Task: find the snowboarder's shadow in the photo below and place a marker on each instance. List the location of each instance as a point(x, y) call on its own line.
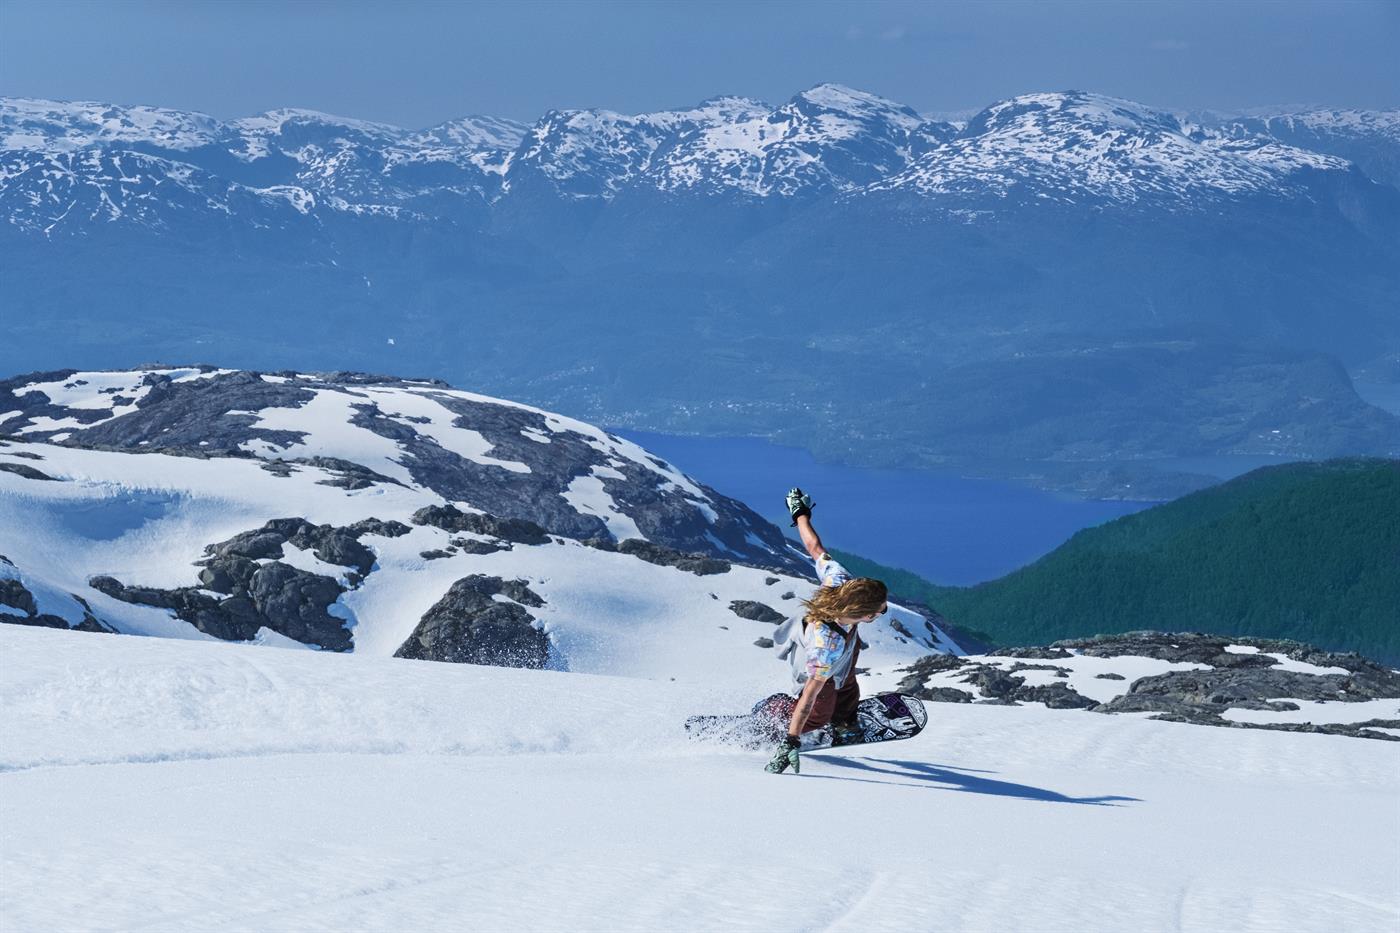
point(958, 779)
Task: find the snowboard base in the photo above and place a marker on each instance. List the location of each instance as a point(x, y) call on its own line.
point(884, 717)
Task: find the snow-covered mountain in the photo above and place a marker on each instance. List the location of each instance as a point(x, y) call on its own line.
point(829, 138)
point(597, 153)
point(1077, 147)
point(389, 516)
point(826, 140)
point(651, 269)
point(1370, 138)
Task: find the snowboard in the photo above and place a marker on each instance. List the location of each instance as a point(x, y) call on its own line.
point(884, 717)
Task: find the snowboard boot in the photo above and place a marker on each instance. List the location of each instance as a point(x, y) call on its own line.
point(847, 734)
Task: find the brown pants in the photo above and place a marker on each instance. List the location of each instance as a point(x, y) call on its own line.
point(832, 705)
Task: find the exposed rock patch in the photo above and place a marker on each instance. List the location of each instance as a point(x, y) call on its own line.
point(468, 626)
point(1230, 679)
point(755, 611)
point(1031, 652)
point(26, 471)
point(454, 520)
point(653, 553)
point(529, 469)
point(253, 589)
point(16, 595)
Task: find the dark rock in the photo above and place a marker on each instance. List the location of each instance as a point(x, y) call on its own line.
point(27, 455)
point(769, 581)
point(788, 595)
point(451, 519)
point(940, 694)
point(918, 673)
point(379, 527)
point(653, 553)
point(755, 611)
point(227, 574)
point(16, 595)
point(1055, 696)
point(1228, 687)
point(1032, 652)
point(1109, 676)
point(993, 682)
point(335, 546)
point(468, 626)
point(295, 602)
point(1198, 648)
point(1020, 666)
point(473, 546)
point(277, 468)
point(898, 626)
point(764, 642)
point(602, 544)
point(274, 595)
point(26, 471)
point(251, 545)
point(347, 474)
point(434, 554)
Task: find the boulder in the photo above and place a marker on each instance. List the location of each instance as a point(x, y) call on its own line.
point(652, 553)
point(452, 519)
point(755, 611)
point(468, 626)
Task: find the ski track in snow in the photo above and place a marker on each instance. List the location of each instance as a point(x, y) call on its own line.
point(192, 785)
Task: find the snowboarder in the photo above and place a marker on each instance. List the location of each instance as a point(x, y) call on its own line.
point(823, 645)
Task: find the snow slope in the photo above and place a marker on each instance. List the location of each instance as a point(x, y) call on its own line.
point(144, 516)
point(174, 785)
point(1075, 147)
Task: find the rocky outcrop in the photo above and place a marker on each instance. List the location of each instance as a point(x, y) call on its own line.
point(755, 611)
point(14, 594)
point(454, 520)
point(275, 596)
point(26, 471)
point(468, 626)
point(253, 589)
point(652, 553)
point(338, 546)
point(1032, 651)
point(1198, 648)
point(533, 467)
point(1248, 678)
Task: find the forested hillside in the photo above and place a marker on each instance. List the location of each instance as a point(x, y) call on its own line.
point(1308, 551)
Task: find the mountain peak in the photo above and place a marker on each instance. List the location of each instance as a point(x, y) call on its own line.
point(843, 99)
point(273, 121)
point(1058, 107)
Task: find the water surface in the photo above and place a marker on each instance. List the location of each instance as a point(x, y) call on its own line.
point(947, 528)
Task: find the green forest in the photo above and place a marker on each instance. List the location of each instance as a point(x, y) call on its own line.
point(1308, 551)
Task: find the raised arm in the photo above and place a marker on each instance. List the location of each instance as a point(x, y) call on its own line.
point(810, 539)
point(800, 505)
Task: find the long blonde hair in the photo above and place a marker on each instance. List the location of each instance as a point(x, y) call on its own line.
point(851, 600)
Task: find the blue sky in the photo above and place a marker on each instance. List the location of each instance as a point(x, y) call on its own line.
point(418, 63)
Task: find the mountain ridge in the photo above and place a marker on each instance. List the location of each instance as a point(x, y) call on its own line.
point(1047, 244)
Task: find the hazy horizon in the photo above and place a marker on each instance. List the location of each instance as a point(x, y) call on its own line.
point(416, 65)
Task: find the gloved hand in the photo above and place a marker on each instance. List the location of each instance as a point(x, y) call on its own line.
point(799, 503)
point(785, 756)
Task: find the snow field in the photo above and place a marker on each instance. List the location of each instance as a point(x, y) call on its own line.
point(606, 613)
point(176, 785)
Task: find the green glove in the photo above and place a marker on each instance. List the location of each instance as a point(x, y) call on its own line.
point(785, 756)
point(799, 503)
